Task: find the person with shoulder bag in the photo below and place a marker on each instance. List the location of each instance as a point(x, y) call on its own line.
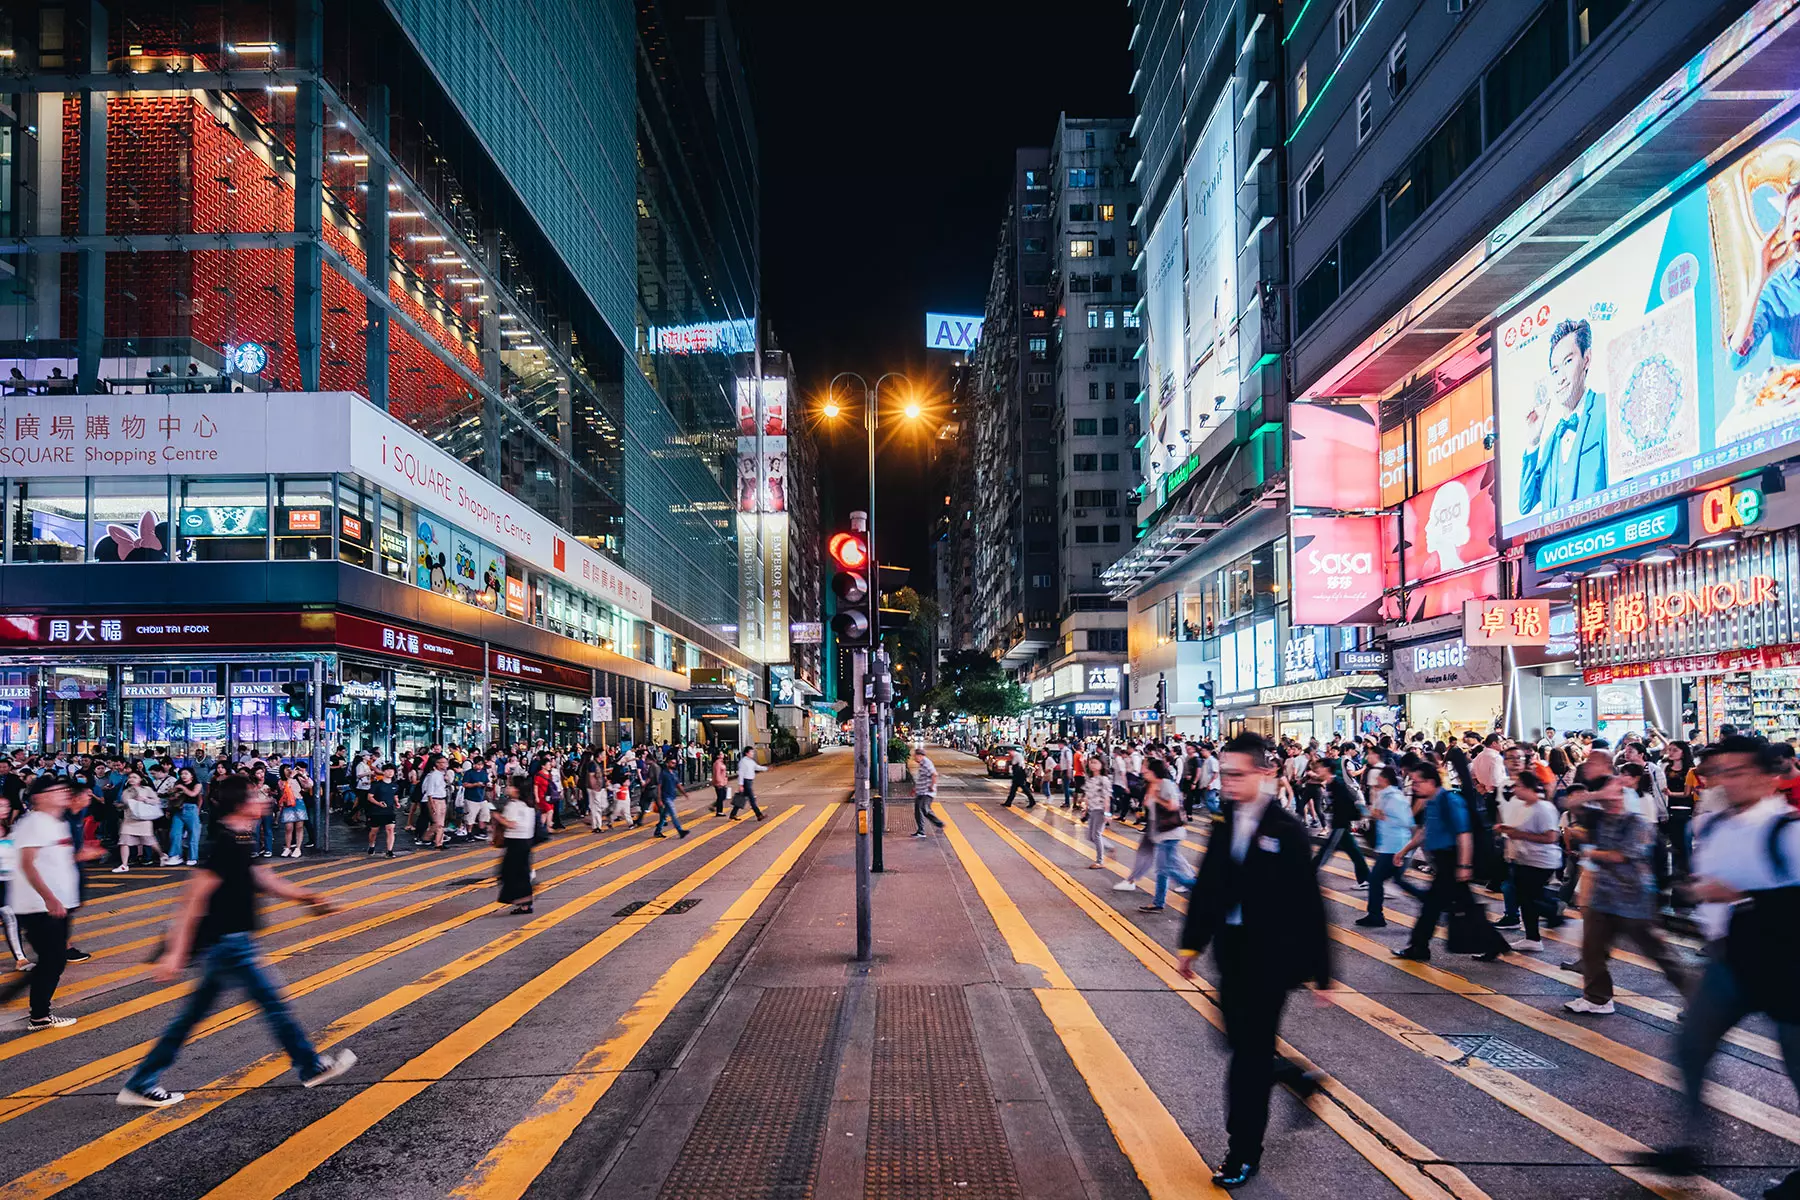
point(143, 809)
point(1165, 824)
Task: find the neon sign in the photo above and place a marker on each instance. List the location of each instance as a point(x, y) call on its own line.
point(1637, 612)
point(1726, 507)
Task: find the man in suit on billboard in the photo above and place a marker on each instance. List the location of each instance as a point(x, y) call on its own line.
point(1565, 447)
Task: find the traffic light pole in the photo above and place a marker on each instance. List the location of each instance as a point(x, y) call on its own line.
point(859, 667)
point(883, 707)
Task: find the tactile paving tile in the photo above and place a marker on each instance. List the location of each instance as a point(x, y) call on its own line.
point(934, 1129)
point(760, 1133)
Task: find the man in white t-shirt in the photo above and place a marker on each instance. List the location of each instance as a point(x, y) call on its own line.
point(44, 892)
point(435, 788)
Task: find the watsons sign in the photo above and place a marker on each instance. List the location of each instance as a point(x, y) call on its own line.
point(1633, 532)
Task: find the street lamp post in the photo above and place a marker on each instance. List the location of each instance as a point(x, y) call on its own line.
point(880, 727)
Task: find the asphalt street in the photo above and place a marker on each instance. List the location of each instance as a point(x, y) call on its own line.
point(1021, 1032)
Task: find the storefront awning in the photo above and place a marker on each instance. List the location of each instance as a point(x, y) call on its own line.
point(1357, 697)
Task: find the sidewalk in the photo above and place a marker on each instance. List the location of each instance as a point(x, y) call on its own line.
point(912, 1076)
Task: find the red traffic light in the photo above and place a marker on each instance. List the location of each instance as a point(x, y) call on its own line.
point(850, 551)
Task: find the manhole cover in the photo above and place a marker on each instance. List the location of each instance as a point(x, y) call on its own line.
point(631, 908)
point(1498, 1052)
point(681, 906)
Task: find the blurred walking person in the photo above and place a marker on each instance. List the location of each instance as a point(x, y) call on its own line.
point(517, 820)
point(925, 777)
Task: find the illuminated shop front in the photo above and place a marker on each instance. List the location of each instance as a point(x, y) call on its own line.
point(1448, 687)
point(1717, 623)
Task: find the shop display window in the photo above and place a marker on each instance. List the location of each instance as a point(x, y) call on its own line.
point(357, 525)
point(223, 520)
point(130, 521)
point(393, 544)
point(304, 515)
point(48, 520)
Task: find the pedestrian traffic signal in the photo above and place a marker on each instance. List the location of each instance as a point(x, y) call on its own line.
point(1206, 693)
point(330, 694)
point(854, 622)
point(296, 704)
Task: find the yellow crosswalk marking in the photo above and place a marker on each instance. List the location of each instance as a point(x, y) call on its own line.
point(91, 1157)
point(1165, 1161)
point(291, 1161)
point(508, 1169)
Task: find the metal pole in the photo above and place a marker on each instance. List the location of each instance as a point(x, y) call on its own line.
point(878, 758)
point(883, 714)
point(859, 661)
point(321, 769)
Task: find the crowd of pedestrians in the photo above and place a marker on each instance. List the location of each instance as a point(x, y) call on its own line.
point(1633, 840)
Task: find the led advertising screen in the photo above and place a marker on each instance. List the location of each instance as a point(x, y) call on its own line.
point(1444, 596)
point(1674, 353)
point(1165, 353)
point(1212, 354)
point(1338, 569)
point(1449, 527)
point(1334, 448)
point(1454, 431)
point(947, 331)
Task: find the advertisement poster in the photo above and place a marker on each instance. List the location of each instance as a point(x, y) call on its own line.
point(775, 587)
point(431, 554)
point(1674, 353)
point(1396, 464)
point(1454, 431)
point(1164, 352)
point(1334, 449)
point(1569, 714)
point(1212, 360)
point(145, 539)
point(1448, 527)
point(1337, 574)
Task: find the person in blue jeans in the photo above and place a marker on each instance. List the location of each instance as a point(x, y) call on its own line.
point(1393, 817)
point(1166, 826)
point(668, 788)
point(216, 923)
point(267, 831)
point(184, 821)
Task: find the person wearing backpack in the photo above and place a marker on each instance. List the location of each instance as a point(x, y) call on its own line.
point(1746, 883)
point(1448, 836)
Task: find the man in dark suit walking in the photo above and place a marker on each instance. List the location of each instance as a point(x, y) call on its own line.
point(1258, 905)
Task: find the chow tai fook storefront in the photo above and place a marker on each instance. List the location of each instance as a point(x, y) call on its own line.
point(1714, 627)
point(152, 682)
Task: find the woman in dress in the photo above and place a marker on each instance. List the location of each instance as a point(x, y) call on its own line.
point(143, 809)
point(518, 825)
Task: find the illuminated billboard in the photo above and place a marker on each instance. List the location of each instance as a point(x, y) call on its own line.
point(1165, 354)
point(1450, 526)
point(1675, 352)
point(1454, 431)
point(1212, 299)
point(1339, 568)
point(946, 331)
point(1334, 450)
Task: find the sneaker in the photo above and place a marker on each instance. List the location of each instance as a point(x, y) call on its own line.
point(1234, 1173)
point(1150, 908)
point(154, 1096)
point(1509, 923)
point(1411, 955)
point(390, 854)
point(1360, 886)
point(120, 869)
point(1570, 964)
point(681, 833)
point(53, 1021)
point(74, 955)
point(371, 850)
point(1528, 946)
point(1581, 1004)
point(170, 860)
point(918, 835)
point(1371, 922)
point(1124, 885)
point(330, 1067)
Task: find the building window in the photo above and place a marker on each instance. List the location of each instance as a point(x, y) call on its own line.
point(1038, 379)
point(1434, 167)
point(1081, 212)
point(1084, 462)
point(1089, 139)
point(1109, 426)
point(1106, 212)
point(1311, 188)
point(1087, 535)
point(1111, 318)
point(1036, 181)
point(1034, 212)
point(1524, 71)
point(1347, 21)
point(1093, 391)
point(1365, 113)
point(1093, 318)
point(1593, 16)
point(1040, 581)
point(1109, 533)
point(1361, 243)
point(1106, 248)
point(1080, 283)
point(1397, 67)
point(1112, 390)
point(1127, 283)
point(1102, 354)
point(1039, 347)
point(1032, 245)
point(1109, 462)
point(1081, 177)
point(1300, 96)
point(1085, 427)
point(1317, 291)
point(1037, 312)
point(1081, 247)
point(1037, 479)
point(1132, 320)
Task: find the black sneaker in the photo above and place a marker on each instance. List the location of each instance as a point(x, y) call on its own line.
point(1515, 923)
point(1411, 955)
point(75, 955)
point(1371, 922)
point(53, 1021)
point(390, 854)
point(154, 1096)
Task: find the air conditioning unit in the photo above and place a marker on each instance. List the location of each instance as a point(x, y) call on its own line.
point(1112, 512)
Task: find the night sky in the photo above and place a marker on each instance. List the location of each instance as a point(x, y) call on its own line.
point(887, 133)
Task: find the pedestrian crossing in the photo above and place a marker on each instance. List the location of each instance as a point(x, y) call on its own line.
point(1052, 840)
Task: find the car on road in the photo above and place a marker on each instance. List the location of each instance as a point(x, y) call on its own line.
point(999, 761)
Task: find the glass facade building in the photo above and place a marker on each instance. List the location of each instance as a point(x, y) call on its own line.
point(526, 233)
